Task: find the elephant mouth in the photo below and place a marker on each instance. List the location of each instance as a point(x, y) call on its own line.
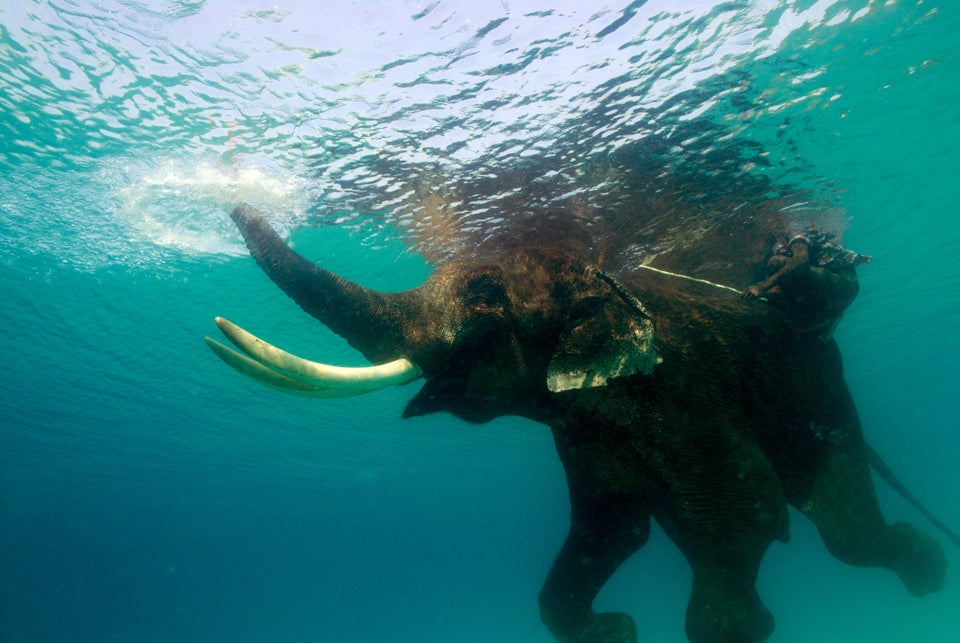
point(288, 373)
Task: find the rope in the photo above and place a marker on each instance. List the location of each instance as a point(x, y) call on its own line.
point(689, 278)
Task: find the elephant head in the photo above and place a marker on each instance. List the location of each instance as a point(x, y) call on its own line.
point(538, 321)
point(668, 398)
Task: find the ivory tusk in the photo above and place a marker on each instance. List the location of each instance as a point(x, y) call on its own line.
point(279, 369)
point(268, 377)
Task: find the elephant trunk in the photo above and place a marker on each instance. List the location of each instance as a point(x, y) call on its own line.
point(369, 320)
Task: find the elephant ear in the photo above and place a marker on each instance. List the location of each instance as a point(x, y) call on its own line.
point(612, 341)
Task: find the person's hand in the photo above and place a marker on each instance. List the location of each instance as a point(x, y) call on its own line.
point(752, 292)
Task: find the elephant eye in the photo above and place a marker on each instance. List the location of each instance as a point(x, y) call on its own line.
point(486, 291)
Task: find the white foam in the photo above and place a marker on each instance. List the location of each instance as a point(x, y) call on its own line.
point(185, 204)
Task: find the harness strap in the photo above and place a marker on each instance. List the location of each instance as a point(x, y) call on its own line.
point(624, 294)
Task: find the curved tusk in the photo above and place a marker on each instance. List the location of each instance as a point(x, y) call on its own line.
point(279, 369)
point(260, 373)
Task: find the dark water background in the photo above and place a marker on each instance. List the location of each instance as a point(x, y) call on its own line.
point(147, 493)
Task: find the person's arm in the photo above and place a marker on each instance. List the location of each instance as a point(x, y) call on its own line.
point(799, 257)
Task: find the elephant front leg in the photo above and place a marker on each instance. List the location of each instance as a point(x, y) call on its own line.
point(604, 532)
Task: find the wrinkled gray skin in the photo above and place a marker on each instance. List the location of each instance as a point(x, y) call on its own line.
point(733, 415)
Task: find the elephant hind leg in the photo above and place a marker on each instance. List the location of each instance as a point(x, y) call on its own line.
point(824, 464)
point(727, 510)
point(725, 607)
point(841, 501)
point(918, 560)
point(604, 532)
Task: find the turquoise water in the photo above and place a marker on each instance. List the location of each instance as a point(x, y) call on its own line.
point(148, 493)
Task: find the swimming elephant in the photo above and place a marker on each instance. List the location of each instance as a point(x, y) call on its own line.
point(667, 398)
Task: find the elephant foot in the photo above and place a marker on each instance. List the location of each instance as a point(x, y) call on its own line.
point(918, 560)
point(719, 614)
point(608, 627)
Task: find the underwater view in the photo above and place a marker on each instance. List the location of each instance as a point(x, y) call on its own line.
point(149, 492)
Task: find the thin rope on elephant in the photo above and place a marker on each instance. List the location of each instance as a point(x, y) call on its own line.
point(689, 278)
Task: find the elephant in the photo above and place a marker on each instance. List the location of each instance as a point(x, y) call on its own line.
point(667, 397)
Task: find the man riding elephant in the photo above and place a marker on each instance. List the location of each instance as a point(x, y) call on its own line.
point(811, 276)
